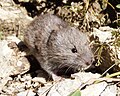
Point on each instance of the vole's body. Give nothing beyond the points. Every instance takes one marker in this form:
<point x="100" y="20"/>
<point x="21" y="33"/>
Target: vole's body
<point x="56" y="45"/>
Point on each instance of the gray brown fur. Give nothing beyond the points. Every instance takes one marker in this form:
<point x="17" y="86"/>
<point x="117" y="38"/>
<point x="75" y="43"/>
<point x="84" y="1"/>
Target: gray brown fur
<point x="52" y="41"/>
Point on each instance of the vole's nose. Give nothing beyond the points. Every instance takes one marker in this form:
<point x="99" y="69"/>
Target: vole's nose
<point x="87" y="63"/>
<point x="90" y="61"/>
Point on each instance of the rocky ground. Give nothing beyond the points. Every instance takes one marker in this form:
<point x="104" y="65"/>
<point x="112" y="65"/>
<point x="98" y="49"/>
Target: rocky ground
<point x="20" y="73"/>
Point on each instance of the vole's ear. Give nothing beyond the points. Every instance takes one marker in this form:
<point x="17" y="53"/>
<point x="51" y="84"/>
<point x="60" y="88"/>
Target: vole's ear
<point x="51" y="37"/>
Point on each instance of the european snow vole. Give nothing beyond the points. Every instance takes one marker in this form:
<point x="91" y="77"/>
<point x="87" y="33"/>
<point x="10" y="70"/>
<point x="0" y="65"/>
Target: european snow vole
<point x="56" y="45"/>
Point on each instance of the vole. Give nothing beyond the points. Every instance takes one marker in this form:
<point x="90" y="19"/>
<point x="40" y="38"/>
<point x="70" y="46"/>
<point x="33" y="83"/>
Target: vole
<point x="56" y="44"/>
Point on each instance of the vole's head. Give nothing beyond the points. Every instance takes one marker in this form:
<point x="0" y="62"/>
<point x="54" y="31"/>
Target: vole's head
<point x="69" y="48"/>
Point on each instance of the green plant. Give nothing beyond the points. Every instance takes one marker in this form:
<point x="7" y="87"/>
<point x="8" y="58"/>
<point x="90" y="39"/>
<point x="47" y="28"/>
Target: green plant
<point x="118" y="6"/>
<point x="76" y="93"/>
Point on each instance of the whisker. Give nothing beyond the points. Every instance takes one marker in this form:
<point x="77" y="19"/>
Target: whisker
<point x="62" y="65"/>
<point x="69" y="67"/>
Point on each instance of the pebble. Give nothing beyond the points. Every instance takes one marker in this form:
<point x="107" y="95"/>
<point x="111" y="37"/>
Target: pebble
<point x="26" y="93"/>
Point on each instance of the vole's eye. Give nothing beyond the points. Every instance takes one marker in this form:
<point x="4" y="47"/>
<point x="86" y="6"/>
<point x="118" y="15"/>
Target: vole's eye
<point x="74" y="50"/>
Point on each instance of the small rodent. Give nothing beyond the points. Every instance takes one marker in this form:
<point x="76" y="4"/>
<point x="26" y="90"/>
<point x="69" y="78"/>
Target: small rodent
<point x="56" y="45"/>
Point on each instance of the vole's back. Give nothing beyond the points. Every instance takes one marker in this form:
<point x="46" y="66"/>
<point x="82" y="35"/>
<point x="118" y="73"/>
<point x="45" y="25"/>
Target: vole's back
<point x="40" y="29"/>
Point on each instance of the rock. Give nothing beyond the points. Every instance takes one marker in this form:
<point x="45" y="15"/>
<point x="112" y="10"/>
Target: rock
<point x="104" y="36"/>
<point x="111" y="90"/>
<point x="11" y="61"/>
<point x="13" y="19"/>
<point x="39" y="79"/>
<point x="100" y="89"/>
<point x="27" y="93"/>
<point x="87" y="83"/>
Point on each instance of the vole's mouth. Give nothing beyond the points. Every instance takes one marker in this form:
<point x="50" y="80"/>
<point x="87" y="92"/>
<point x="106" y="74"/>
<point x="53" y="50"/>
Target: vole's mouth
<point x="68" y="69"/>
<point x="65" y="71"/>
<point x="87" y="67"/>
